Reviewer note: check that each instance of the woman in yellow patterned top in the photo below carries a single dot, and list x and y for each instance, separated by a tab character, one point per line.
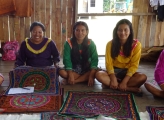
122	59
37	51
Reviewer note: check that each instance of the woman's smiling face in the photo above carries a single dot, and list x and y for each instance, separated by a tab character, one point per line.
80	33
123	32
37	35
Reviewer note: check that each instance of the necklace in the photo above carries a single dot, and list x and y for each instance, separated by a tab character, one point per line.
37	51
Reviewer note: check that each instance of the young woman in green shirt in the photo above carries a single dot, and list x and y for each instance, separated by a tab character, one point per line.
80	57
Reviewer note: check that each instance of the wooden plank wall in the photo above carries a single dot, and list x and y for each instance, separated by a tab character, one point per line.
56	15
146	27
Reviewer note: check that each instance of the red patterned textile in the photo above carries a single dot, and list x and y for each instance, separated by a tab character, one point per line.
31	103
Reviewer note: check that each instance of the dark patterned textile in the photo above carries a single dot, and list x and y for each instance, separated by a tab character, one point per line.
155	113
92	104
44	79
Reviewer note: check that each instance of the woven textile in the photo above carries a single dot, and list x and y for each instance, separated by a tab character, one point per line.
44	79
155	113
92	104
30	103
55	116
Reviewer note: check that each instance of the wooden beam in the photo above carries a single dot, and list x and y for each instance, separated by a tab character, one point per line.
1	28
22	28
64	24
53	21
152	31
157	33
161	34
147	34
58	26
43	11
48	18
17	28
114	14
27	26
76	10
11	26
6	28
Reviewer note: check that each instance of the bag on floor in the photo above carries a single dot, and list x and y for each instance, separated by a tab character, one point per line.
10	49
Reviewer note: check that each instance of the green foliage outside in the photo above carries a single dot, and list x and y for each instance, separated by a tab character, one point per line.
106	5
109	5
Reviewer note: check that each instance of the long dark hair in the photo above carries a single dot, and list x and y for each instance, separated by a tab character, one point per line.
116	45
75	55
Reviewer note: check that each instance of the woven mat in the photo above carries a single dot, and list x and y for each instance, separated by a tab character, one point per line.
155	113
92	104
44	79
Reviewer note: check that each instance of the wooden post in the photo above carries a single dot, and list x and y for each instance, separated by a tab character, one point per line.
58	26
64	23
1	29
22	28
48	18
27	27
17	28
6	28
157	34
161	34
37	10
53	21
43	11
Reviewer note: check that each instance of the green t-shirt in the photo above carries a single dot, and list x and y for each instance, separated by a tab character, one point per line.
93	56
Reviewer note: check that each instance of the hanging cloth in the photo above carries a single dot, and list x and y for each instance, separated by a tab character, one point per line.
7	7
23	8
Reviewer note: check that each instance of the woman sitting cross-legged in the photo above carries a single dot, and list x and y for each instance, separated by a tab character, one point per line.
80	57
122	59
156	87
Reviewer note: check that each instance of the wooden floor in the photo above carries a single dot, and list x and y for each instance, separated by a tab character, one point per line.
142	102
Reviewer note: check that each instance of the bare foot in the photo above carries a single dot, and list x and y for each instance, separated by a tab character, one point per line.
136	91
133	89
